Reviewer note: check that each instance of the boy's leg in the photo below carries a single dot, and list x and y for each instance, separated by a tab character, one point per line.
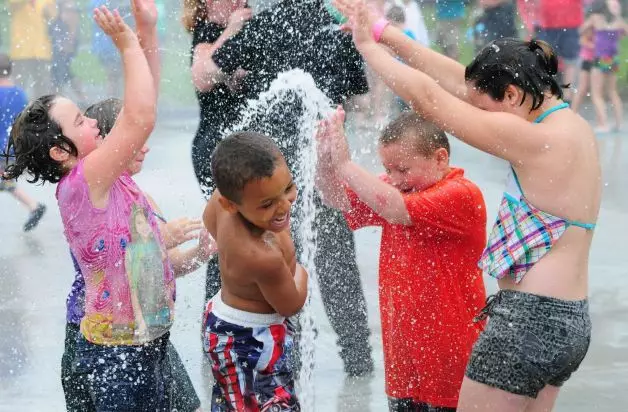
115	381
274	383
226	347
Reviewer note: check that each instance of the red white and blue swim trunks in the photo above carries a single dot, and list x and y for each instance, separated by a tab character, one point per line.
249	354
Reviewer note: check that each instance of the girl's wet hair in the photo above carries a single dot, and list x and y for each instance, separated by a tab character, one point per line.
33	135
105	113
530	65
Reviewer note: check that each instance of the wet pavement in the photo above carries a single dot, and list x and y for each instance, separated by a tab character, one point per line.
36	274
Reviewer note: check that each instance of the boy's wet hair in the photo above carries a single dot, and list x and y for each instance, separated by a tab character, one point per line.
105	113
530	65
241	158
427	138
396	15
6	65
33	134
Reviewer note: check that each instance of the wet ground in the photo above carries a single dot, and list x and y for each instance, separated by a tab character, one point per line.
36	273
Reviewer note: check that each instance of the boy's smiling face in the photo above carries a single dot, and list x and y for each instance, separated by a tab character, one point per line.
410	171
266	202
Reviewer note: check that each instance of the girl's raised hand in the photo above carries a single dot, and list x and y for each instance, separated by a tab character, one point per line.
145	13
361	17
114	27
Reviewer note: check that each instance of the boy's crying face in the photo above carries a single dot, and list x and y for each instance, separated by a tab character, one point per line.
409	170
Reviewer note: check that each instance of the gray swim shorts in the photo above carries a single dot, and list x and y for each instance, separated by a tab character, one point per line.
530	341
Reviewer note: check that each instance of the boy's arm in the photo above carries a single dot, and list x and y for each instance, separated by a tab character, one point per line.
331	188
382	198
284	292
326	181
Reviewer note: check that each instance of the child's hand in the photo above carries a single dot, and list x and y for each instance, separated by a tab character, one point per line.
337	141
361	20
114	27
206	246
145	13
178	231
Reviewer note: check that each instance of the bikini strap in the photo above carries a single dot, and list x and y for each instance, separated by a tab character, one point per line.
549	111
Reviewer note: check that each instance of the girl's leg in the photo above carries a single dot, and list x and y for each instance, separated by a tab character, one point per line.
611	82
545	401
475	396
597	96
583	89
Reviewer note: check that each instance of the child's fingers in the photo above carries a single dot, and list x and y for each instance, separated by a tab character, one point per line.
104	19
118	22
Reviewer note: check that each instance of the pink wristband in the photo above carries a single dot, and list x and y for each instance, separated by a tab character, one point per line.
378	28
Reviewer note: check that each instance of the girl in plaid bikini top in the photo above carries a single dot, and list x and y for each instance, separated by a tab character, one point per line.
522	234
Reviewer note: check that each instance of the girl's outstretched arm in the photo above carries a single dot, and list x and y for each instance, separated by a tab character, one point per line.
145	13
104	165
446	71
502	134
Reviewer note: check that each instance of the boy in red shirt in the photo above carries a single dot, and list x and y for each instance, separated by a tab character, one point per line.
434	231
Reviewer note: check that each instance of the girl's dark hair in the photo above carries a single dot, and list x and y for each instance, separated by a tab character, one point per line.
105	113
33	134
530	65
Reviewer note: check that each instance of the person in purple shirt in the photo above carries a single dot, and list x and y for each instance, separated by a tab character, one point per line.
12	101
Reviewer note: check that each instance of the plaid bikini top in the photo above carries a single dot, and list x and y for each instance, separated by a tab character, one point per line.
522	233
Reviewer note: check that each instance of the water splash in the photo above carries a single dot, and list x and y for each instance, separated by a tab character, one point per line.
296	87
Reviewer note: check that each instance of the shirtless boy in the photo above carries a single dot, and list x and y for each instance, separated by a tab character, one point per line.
245	330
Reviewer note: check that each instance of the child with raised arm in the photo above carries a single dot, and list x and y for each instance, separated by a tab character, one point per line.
245	331
106	217
433	230
175	232
509	103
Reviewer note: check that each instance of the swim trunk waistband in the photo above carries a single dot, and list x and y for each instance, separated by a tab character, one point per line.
240	317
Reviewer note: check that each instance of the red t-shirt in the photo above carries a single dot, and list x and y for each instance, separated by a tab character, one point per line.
561	14
430	287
